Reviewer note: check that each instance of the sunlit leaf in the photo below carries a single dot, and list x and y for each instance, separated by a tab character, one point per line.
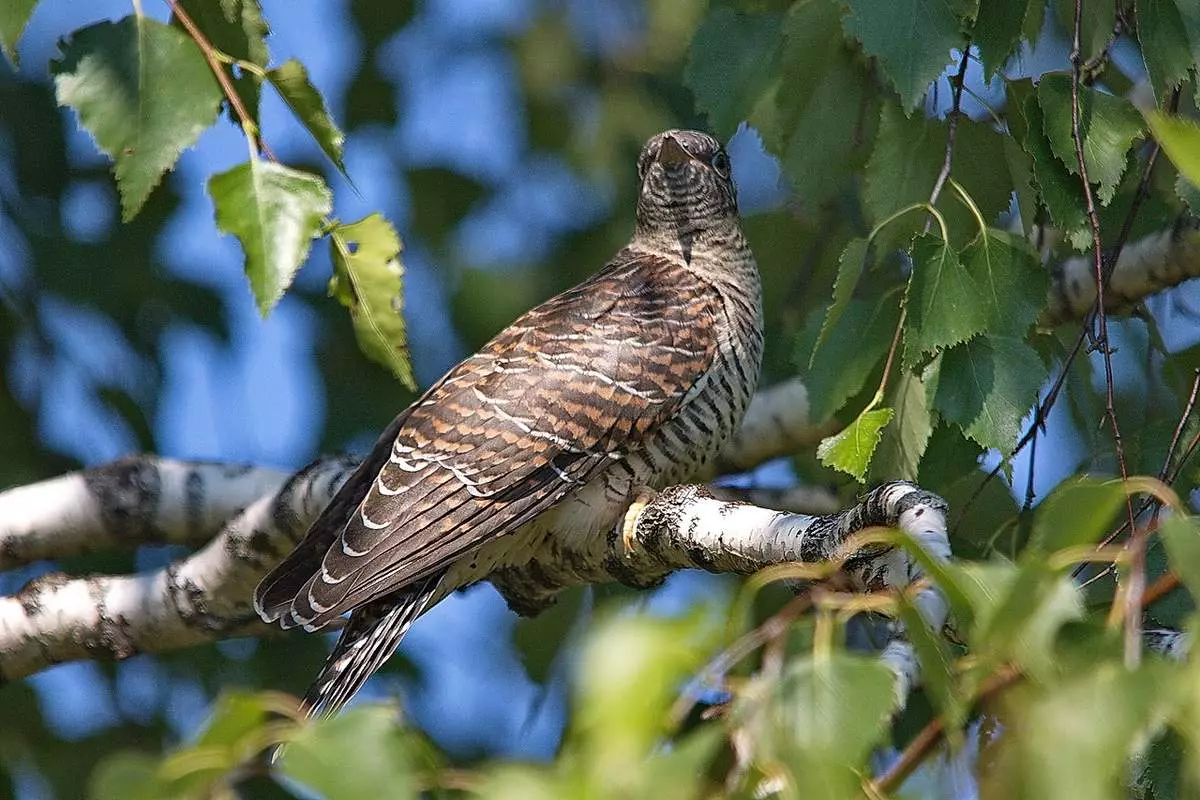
275	212
1180	139
143	91
367	279
850	450
357	754
291	80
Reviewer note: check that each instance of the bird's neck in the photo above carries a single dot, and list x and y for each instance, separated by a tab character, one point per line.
719	247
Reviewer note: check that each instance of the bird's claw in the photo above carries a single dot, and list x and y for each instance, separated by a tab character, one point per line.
643	497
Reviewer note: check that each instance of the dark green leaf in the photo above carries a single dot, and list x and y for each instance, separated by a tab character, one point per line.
275	212
903	166
911	38
1078	512
731	66
997	31
358	754
368	280
1097	21
1060	193
850	450
144	92
291	81
1165	46
14	16
987	386
1180	139
540	640
904	441
944	305
850	266
1108	125
978	150
1181	535
856	344
1010	279
236	28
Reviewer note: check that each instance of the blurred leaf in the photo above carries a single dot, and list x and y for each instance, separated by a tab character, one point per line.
1011	281
820	720
997	31
540	640
823	104
1091	724
1159	775
1164	43
937	668
236	28
850	450
144	92
127	776
944	305
275	212
234	716
1060	193
14	16
987	386
290	79
731	65
1180	139
911	38
1107	124
367	279
448	196
1181	535
904	441
1078	511
352	756
850	267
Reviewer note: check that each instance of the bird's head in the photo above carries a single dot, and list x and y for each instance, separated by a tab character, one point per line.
687	185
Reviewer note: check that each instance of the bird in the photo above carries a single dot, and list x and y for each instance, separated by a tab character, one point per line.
562	425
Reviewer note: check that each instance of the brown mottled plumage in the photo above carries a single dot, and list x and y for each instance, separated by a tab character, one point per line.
634	378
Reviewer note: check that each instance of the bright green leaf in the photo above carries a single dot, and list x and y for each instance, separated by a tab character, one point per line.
850	450
1108	125
911	38
731	66
367	279
275	212
127	775
143	91
1078	512
1164	44
904	441
351	756
850	266
1180	139
14	16
1011	281
855	345
987	386
944	305
997	31
291	81
1181	535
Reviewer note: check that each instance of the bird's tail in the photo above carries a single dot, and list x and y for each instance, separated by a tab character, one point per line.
370	637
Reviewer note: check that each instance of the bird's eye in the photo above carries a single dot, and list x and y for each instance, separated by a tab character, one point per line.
720	162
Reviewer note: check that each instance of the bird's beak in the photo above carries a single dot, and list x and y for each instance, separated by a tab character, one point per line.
672	153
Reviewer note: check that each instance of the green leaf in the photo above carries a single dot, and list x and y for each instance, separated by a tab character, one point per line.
291	81
14	16
944	305
275	212
821	720
850	267
236	28
903	166
1108	125
1181	535
1180	139
1078	512
855	345
911	38
1060	193
904	441
539	640
823	103
1165	47
850	450
1010	279
987	386
997	31
937	667
978	150
143	91
127	775
367	279
731	66
351	756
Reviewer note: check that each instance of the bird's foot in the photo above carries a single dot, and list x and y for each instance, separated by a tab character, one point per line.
642	497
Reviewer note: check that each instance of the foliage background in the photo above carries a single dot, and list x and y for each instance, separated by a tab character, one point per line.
499	138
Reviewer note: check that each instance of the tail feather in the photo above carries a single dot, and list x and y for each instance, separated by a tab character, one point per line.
368	640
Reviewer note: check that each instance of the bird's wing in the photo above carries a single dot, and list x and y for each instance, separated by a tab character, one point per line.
567	390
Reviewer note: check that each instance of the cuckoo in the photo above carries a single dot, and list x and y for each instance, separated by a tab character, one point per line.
624	384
